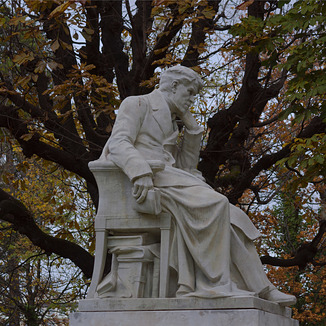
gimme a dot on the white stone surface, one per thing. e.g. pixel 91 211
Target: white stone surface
pixel 144 304
pixel 245 317
pixel 181 312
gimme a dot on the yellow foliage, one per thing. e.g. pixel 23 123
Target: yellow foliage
pixel 60 9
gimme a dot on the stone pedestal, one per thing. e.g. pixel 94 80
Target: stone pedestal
pixel 246 311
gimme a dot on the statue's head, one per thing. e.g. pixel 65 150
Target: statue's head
pixel 180 85
pixel 182 75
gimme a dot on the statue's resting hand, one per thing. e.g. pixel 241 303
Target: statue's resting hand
pixel 141 187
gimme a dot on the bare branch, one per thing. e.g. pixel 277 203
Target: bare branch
pixel 266 122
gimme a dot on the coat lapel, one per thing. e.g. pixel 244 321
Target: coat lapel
pixel 161 112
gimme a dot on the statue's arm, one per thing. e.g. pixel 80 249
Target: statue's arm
pixel 188 154
pixel 120 145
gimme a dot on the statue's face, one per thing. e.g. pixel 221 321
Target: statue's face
pixel 183 96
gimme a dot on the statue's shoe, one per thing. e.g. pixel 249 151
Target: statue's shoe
pixel 279 297
pixel 183 290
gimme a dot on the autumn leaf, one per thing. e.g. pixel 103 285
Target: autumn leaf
pixel 209 13
pixel 66 45
pixel 16 20
pixel 40 66
pixel 59 10
pixel 88 30
pixel 23 81
pixel 244 5
pixel 27 137
pixel 54 65
pixel 23 57
pixel 159 2
pixel 55 45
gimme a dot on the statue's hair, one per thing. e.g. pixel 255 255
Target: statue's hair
pixel 181 74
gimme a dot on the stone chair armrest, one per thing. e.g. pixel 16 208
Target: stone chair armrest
pixel 115 191
pixel 108 165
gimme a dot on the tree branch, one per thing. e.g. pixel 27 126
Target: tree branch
pixel 303 256
pixel 10 120
pixel 229 129
pixel 200 29
pixel 66 56
pixel 266 122
pixel 112 26
pixel 163 41
pixel 14 212
pixel 141 25
pixel 244 181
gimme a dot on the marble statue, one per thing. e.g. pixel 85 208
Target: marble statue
pixel 212 253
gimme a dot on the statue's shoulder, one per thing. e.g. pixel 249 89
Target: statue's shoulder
pixel 136 101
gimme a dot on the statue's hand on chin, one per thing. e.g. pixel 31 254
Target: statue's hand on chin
pixel 189 121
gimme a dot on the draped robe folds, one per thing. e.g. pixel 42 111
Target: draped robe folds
pixel 206 226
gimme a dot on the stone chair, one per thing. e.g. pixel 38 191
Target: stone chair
pixel 138 242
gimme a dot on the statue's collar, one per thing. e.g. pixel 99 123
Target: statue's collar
pixel 161 111
pixel 158 100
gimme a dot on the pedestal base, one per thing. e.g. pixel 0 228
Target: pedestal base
pixel 248 311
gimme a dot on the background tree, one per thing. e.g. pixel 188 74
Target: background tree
pixel 66 65
pixel 36 287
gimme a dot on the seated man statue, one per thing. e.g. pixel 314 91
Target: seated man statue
pixel 212 251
